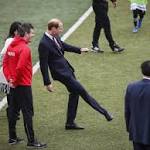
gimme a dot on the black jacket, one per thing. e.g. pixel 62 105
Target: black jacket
pixel 52 57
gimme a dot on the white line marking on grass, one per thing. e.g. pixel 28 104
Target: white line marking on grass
pixel 64 37
pixel 77 24
pixel 3 102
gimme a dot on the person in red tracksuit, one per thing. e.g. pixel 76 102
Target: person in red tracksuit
pixel 17 68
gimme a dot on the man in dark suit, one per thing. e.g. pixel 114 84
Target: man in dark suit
pixel 137 110
pixel 100 8
pixel 51 54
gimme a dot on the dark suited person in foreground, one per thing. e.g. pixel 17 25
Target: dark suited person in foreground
pixel 51 54
pixel 137 110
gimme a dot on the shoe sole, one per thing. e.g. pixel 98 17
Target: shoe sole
pixel 119 51
pixel 15 143
pixel 109 120
pixel 33 147
pixel 135 31
pixel 97 51
pixel 74 128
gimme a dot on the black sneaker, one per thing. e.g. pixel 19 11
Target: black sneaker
pixel 36 144
pixel 96 49
pixel 15 141
pixel 116 48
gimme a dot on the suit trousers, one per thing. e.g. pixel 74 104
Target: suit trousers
pixel 139 146
pixel 101 21
pixel 76 90
pixel 22 101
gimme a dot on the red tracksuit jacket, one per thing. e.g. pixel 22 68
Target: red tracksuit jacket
pixel 17 63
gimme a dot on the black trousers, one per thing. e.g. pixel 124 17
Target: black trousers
pixel 102 21
pixel 137 15
pixel 76 90
pixel 22 101
pixel 10 98
pixel 139 146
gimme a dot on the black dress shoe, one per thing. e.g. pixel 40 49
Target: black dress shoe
pixel 73 127
pixel 36 145
pixel 108 116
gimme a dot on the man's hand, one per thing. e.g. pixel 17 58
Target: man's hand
pixel 10 83
pixel 49 88
pixel 114 4
pixel 84 50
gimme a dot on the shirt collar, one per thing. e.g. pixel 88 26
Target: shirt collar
pixel 145 77
pixel 50 36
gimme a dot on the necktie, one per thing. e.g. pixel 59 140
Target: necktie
pixel 58 45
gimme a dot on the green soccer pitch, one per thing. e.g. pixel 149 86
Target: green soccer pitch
pixel 105 76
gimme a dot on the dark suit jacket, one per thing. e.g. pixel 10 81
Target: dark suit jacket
pixel 50 55
pixel 137 111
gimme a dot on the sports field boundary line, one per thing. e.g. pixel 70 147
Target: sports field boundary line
pixel 63 38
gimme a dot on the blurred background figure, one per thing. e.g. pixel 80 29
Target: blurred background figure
pixel 138 8
pixel 13 31
pixel 102 21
